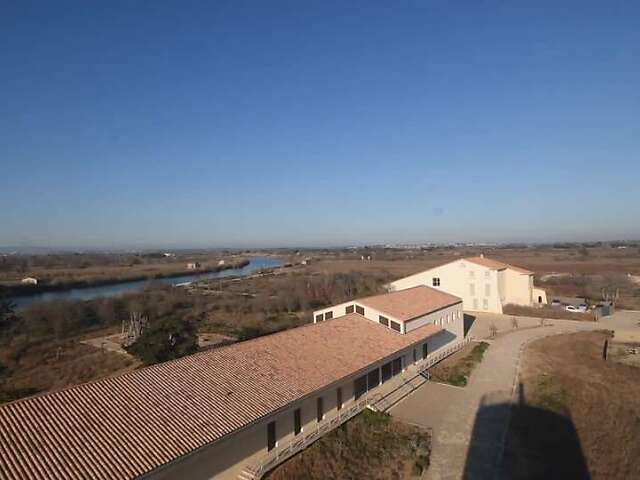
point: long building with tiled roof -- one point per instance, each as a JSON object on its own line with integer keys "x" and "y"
{"x": 211, "y": 414}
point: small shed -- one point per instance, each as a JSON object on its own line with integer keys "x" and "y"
{"x": 193, "y": 266}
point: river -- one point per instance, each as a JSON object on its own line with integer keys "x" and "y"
{"x": 88, "y": 293}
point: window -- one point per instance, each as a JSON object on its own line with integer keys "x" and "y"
{"x": 475, "y": 304}
{"x": 297, "y": 421}
{"x": 472, "y": 274}
{"x": 271, "y": 436}
{"x": 349, "y": 309}
{"x": 320, "y": 409}
{"x": 319, "y": 318}
{"x": 448, "y": 318}
{"x": 360, "y": 310}
{"x": 487, "y": 274}
{"x": 487, "y": 290}
{"x": 360, "y": 386}
{"x": 425, "y": 350}
{"x": 373, "y": 379}
{"x": 395, "y": 326}
{"x": 472, "y": 289}
{"x": 441, "y": 321}
{"x": 396, "y": 366}
{"x": 383, "y": 320}
{"x": 386, "y": 371}
{"x": 435, "y": 281}
{"x": 328, "y": 315}
{"x": 339, "y": 399}
{"x": 485, "y": 303}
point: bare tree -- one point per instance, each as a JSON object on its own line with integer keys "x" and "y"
{"x": 493, "y": 330}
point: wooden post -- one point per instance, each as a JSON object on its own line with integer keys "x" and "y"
{"x": 604, "y": 350}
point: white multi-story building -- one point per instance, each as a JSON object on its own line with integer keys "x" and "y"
{"x": 483, "y": 284}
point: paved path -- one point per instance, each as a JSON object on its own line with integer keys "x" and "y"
{"x": 453, "y": 413}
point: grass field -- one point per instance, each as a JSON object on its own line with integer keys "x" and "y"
{"x": 52, "y": 365}
{"x": 370, "y": 446}
{"x": 575, "y": 396}
{"x": 456, "y": 369}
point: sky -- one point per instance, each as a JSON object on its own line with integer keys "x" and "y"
{"x": 318, "y": 123}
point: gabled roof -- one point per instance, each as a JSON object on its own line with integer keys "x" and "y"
{"x": 410, "y": 303}
{"x": 124, "y": 426}
{"x": 494, "y": 264}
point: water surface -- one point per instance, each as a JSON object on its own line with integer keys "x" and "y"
{"x": 116, "y": 289}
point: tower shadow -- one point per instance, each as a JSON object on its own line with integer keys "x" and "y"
{"x": 537, "y": 443}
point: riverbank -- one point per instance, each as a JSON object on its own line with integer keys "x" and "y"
{"x": 45, "y": 287}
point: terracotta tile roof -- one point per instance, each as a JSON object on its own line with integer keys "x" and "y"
{"x": 495, "y": 264}
{"x": 124, "y": 426}
{"x": 410, "y": 302}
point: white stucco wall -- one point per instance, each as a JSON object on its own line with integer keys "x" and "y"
{"x": 369, "y": 313}
{"x": 464, "y": 279}
{"x": 449, "y": 318}
{"x": 539, "y": 292}
{"x": 519, "y": 288}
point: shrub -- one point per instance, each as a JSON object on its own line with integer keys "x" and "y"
{"x": 165, "y": 339}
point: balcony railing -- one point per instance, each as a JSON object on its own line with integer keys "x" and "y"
{"x": 304, "y": 439}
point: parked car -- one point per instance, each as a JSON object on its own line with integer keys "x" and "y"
{"x": 556, "y": 303}
{"x": 583, "y": 307}
{"x": 572, "y": 308}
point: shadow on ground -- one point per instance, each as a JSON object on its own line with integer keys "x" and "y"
{"x": 539, "y": 443}
{"x": 468, "y": 322}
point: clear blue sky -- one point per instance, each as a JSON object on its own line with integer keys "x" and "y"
{"x": 233, "y": 123}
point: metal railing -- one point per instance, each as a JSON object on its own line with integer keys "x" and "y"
{"x": 441, "y": 354}
{"x": 304, "y": 439}
{"x": 415, "y": 376}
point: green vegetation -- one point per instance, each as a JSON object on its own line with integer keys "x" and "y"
{"x": 551, "y": 395}
{"x": 8, "y": 317}
{"x": 456, "y": 370}
{"x": 371, "y": 445}
{"x": 166, "y": 339}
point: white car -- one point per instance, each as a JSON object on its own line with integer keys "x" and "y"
{"x": 571, "y": 308}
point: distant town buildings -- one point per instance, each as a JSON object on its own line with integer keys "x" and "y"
{"x": 193, "y": 266}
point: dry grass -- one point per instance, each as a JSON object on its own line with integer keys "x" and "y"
{"x": 547, "y": 312}
{"x": 53, "y": 365}
{"x": 566, "y": 375}
{"x": 370, "y": 446}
